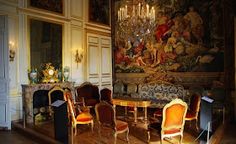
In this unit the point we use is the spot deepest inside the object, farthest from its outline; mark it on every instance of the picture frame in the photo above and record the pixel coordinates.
(100, 11)
(55, 6)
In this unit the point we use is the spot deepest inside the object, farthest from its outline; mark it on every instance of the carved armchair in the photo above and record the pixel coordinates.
(88, 93)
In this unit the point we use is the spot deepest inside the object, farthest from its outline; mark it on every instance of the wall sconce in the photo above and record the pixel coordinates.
(12, 52)
(78, 56)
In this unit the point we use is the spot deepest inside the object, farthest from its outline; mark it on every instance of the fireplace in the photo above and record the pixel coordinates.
(35, 99)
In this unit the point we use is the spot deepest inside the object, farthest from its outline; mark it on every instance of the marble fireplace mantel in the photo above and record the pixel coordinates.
(28, 92)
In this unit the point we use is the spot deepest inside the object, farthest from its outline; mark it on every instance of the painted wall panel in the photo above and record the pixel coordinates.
(93, 60)
(77, 8)
(77, 72)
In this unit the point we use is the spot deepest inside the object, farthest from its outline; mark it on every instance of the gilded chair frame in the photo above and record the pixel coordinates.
(56, 88)
(116, 132)
(74, 121)
(180, 127)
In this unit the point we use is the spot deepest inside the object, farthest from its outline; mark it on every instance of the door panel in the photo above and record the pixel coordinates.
(4, 78)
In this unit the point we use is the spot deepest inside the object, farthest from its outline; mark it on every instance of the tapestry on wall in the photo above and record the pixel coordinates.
(187, 36)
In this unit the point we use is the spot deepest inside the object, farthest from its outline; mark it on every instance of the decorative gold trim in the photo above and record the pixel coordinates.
(108, 34)
(28, 36)
(35, 13)
(101, 24)
(48, 11)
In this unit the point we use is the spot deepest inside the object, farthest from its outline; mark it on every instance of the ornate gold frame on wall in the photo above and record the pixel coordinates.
(47, 6)
(100, 9)
(187, 79)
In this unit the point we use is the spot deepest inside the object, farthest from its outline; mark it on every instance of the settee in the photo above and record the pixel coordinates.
(158, 92)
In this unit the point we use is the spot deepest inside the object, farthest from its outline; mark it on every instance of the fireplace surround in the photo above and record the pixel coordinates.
(28, 92)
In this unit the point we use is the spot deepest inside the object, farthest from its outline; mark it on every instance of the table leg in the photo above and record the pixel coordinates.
(114, 106)
(135, 114)
(145, 114)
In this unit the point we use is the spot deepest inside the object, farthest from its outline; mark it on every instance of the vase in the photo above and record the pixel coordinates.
(33, 76)
(59, 76)
(66, 76)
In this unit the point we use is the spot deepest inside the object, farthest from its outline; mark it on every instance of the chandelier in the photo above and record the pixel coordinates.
(135, 20)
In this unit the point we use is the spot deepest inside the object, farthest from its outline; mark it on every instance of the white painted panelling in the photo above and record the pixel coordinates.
(77, 8)
(94, 80)
(13, 69)
(93, 59)
(4, 74)
(77, 44)
(3, 110)
(92, 39)
(106, 79)
(106, 60)
(105, 41)
(99, 60)
(3, 87)
(16, 108)
(77, 23)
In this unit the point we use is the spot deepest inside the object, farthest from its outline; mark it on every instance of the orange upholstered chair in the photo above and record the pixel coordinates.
(173, 120)
(194, 107)
(83, 117)
(106, 95)
(106, 117)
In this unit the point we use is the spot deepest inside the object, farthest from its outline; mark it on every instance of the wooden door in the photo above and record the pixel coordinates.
(4, 78)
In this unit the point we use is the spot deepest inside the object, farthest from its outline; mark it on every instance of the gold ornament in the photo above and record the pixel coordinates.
(50, 75)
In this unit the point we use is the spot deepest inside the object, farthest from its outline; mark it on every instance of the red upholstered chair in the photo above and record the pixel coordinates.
(83, 117)
(158, 112)
(106, 117)
(173, 120)
(106, 95)
(88, 93)
(194, 107)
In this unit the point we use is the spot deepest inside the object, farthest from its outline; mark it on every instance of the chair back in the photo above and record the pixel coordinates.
(194, 106)
(105, 114)
(88, 91)
(56, 93)
(174, 115)
(106, 95)
(71, 107)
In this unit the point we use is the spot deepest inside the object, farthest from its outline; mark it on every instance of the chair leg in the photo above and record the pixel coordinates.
(148, 136)
(196, 124)
(75, 127)
(99, 131)
(92, 126)
(115, 136)
(127, 136)
(161, 139)
(181, 139)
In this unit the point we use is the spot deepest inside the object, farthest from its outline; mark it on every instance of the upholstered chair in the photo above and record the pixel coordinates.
(88, 93)
(173, 120)
(105, 114)
(83, 117)
(193, 110)
(106, 95)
